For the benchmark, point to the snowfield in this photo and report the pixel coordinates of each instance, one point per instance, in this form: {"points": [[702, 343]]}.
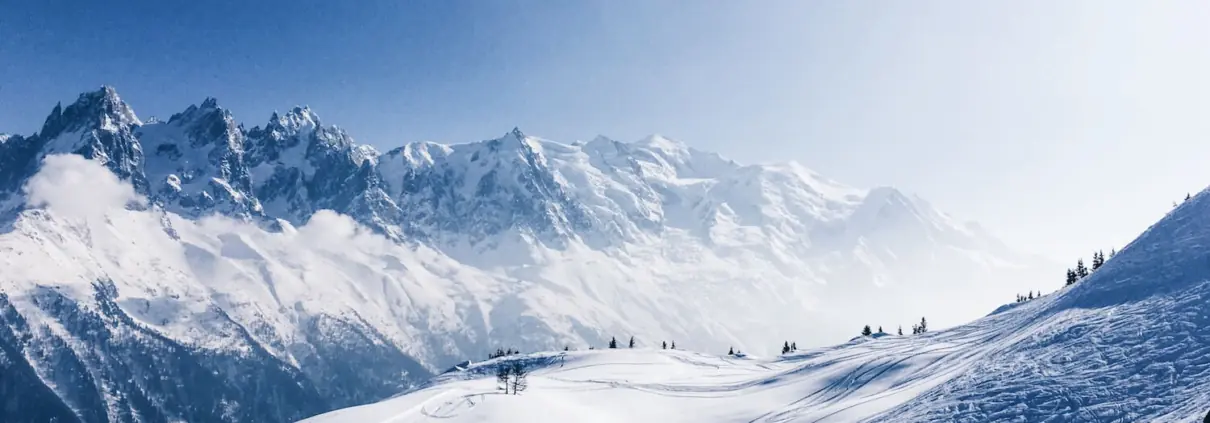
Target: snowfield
{"points": [[840, 384], [1130, 343]]}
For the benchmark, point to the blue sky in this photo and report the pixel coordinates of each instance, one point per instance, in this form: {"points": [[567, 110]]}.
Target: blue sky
{"points": [[1061, 126]]}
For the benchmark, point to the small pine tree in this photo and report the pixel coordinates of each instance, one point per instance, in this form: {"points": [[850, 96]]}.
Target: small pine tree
{"points": [[632, 342], [793, 346], [924, 325], [1112, 252], [900, 330], [566, 348], [1031, 295], [1187, 196], [880, 330], [673, 345], [1098, 259], [663, 345], [1071, 277], [730, 351], [1081, 270], [613, 342], [866, 331], [785, 348]]}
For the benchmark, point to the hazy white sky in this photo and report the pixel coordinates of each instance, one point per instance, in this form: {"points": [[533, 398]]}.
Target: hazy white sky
{"points": [[1061, 126]]}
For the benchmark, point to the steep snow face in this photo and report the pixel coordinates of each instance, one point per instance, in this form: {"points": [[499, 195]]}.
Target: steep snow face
{"points": [[196, 163], [1126, 344], [461, 196], [299, 167]]}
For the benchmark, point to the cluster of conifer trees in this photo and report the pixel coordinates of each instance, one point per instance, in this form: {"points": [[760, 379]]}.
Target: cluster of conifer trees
{"points": [[917, 329], [613, 342], [1031, 296], [1081, 271], [500, 352]]}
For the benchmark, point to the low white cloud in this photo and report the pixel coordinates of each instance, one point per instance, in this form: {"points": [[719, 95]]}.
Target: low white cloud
{"points": [[327, 227], [73, 186]]}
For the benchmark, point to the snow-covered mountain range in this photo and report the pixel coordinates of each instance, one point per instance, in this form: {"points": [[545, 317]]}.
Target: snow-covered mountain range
{"points": [[1129, 343], [287, 262]]}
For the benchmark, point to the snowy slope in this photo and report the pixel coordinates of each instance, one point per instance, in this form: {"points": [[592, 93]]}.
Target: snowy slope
{"points": [[1128, 343], [838, 385], [195, 164]]}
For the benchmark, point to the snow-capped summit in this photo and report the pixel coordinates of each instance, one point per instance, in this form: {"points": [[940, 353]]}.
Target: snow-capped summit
{"points": [[461, 195], [98, 126], [296, 120], [196, 163]]}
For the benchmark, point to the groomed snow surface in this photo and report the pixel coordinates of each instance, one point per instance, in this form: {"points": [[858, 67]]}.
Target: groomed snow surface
{"points": [[1127, 344], [644, 385]]}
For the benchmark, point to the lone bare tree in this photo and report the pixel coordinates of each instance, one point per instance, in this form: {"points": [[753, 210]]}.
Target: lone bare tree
{"points": [[503, 374], [519, 373]]}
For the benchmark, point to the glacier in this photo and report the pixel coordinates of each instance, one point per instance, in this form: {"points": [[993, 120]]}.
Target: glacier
{"points": [[1127, 343], [288, 264]]}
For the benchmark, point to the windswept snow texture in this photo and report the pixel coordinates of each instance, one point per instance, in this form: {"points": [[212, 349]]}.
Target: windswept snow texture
{"points": [[1128, 344]]}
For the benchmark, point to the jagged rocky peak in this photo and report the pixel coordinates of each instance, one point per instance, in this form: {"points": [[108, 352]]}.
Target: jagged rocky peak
{"points": [[298, 119], [101, 109], [514, 140], [98, 126], [479, 189], [301, 127], [196, 163], [209, 123], [281, 133]]}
